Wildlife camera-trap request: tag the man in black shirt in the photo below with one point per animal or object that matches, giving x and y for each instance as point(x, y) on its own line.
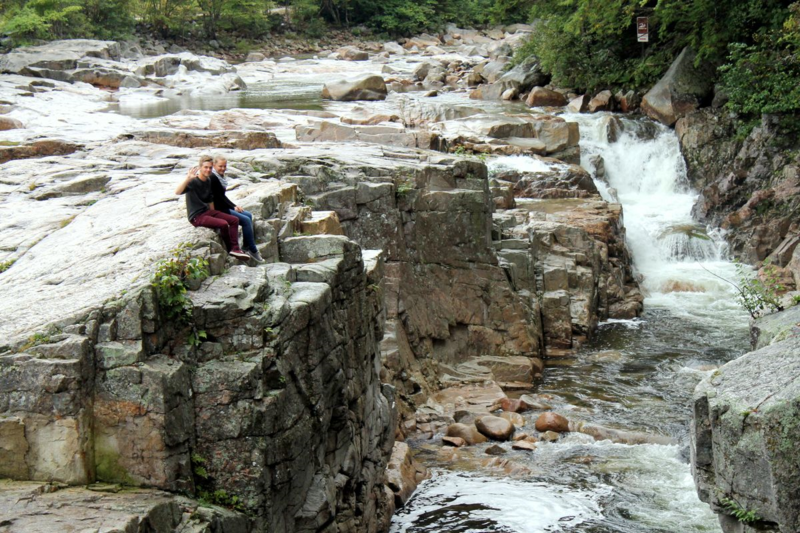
point(200, 207)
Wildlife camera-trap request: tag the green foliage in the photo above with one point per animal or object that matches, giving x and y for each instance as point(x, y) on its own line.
point(170, 281)
point(741, 514)
point(759, 293)
point(166, 17)
point(403, 188)
point(196, 337)
point(590, 45)
point(205, 491)
point(5, 265)
point(43, 19)
point(198, 466)
point(764, 77)
point(35, 340)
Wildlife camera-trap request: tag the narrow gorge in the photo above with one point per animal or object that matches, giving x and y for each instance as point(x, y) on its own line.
point(452, 251)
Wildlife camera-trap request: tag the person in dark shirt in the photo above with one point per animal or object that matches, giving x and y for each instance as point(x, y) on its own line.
point(200, 207)
point(219, 186)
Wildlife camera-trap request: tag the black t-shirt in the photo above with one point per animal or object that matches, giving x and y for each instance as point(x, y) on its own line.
point(221, 201)
point(198, 196)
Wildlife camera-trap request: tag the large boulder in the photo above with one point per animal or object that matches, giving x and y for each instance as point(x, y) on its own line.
point(351, 53)
point(552, 422)
point(527, 75)
point(370, 87)
point(745, 436)
point(495, 427)
point(468, 432)
point(684, 88)
point(602, 101)
point(56, 55)
point(541, 97)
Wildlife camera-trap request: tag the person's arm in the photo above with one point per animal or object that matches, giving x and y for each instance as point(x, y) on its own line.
point(190, 175)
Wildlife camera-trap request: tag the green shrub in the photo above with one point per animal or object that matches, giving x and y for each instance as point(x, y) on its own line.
point(764, 77)
point(759, 293)
point(44, 19)
point(170, 281)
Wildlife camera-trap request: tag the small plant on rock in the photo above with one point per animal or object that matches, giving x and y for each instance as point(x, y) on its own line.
point(403, 188)
point(741, 514)
point(170, 281)
point(759, 293)
point(5, 265)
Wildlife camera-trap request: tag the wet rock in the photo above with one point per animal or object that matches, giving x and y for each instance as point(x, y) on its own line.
point(629, 101)
point(514, 418)
point(454, 441)
point(496, 449)
point(552, 422)
point(579, 104)
point(495, 427)
point(684, 88)
point(511, 368)
point(351, 53)
point(541, 97)
point(369, 87)
point(549, 436)
point(620, 436)
point(468, 433)
point(511, 405)
point(524, 446)
point(602, 101)
point(401, 473)
point(534, 403)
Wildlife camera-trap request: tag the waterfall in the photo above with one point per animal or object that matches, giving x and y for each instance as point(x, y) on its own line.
point(683, 265)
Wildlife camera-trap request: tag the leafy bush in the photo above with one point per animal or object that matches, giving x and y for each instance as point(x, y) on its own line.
point(590, 45)
point(44, 19)
point(170, 281)
point(759, 293)
point(764, 77)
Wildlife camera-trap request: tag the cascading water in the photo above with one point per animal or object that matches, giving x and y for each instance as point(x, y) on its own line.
point(636, 375)
point(680, 262)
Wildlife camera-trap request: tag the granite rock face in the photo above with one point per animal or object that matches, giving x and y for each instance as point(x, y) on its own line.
point(683, 88)
point(750, 187)
point(279, 405)
point(745, 433)
point(446, 297)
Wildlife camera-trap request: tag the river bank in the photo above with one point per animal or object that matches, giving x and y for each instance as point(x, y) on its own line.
point(477, 251)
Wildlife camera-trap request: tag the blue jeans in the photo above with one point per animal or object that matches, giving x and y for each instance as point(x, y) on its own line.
point(246, 222)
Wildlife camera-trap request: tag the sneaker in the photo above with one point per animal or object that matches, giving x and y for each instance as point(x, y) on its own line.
point(256, 256)
point(238, 254)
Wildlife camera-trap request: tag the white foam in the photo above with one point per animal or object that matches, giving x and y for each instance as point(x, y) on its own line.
point(520, 506)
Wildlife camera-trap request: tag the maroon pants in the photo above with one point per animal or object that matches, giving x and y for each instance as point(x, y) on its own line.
point(228, 226)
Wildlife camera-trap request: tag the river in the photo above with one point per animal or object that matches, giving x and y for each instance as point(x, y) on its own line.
point(634, 375)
